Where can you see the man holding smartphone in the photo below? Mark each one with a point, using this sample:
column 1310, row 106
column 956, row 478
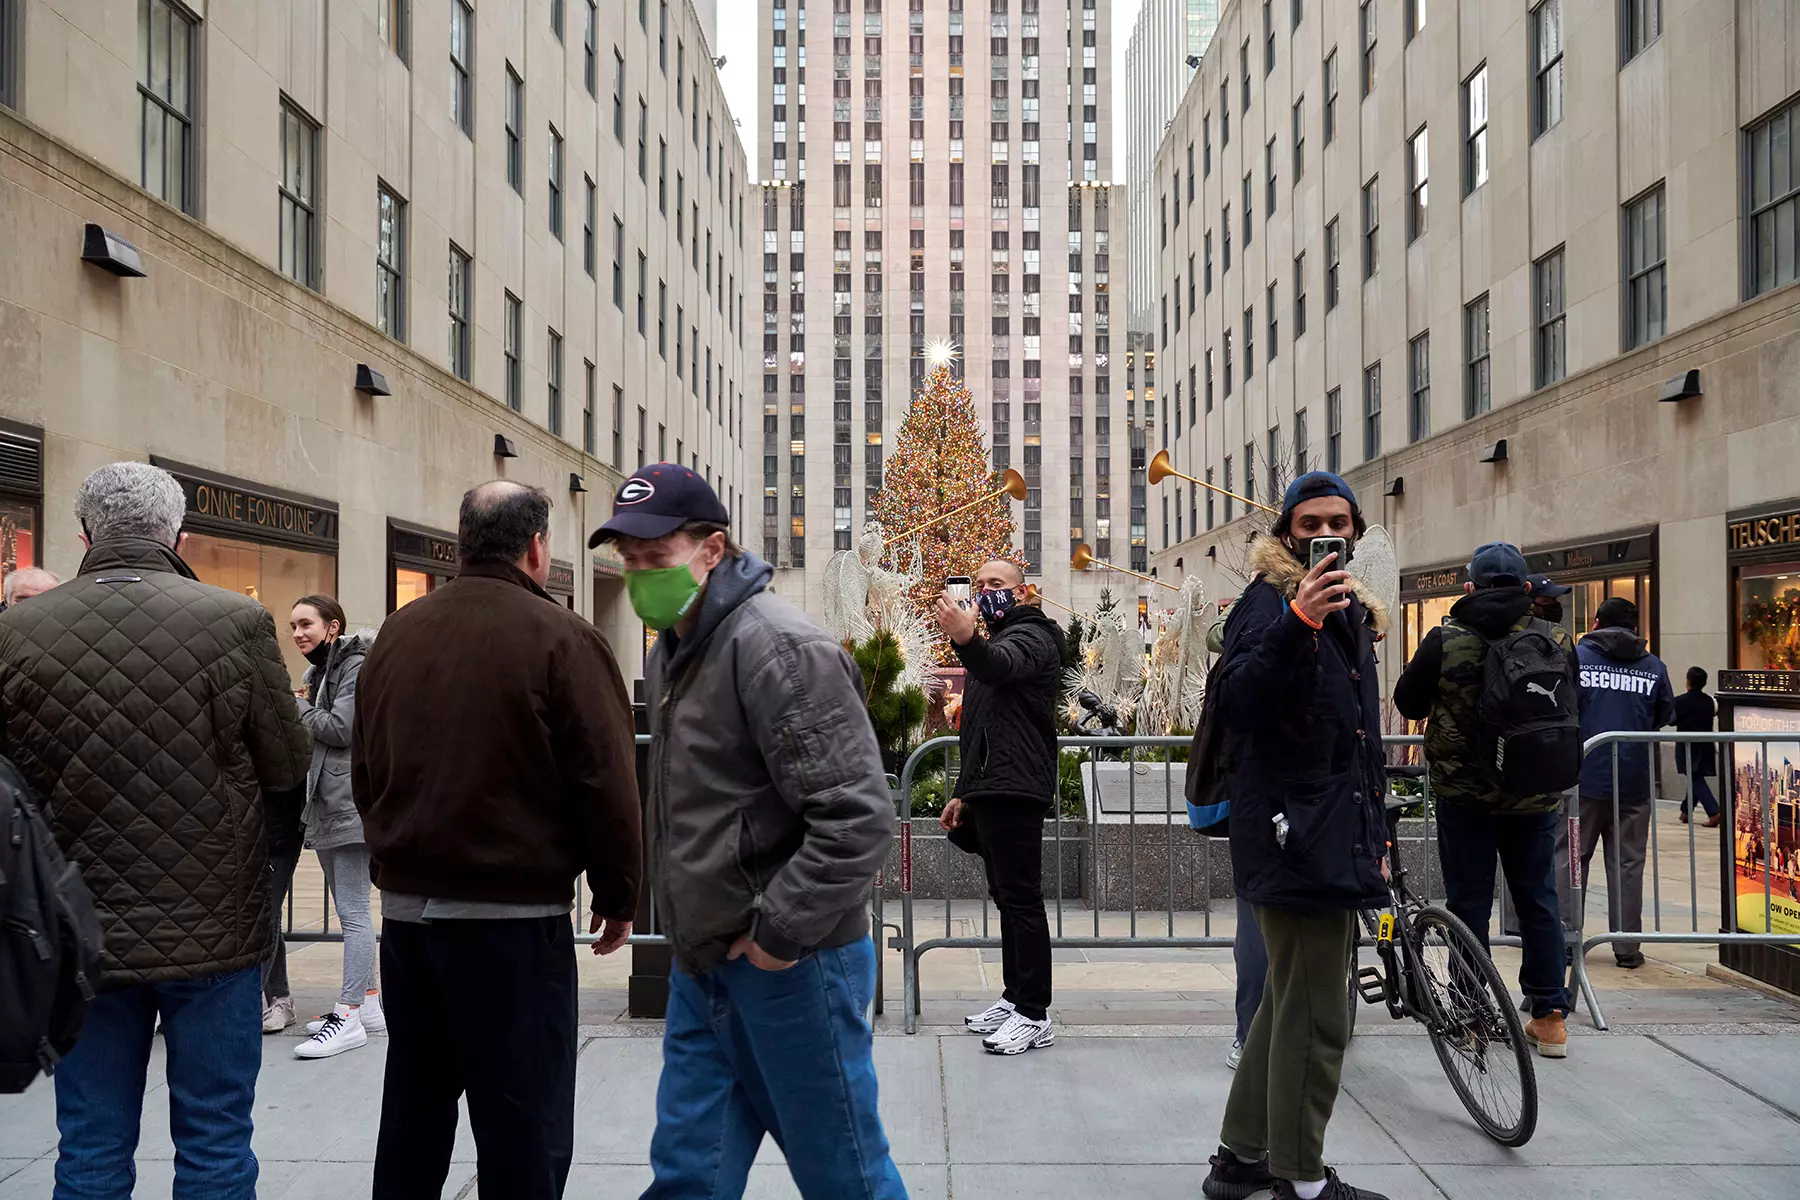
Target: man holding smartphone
column 1007, row 785
column 1304, row 769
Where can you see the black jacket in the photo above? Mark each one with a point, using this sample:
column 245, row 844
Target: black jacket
column 1009, row 708
column 1303, row 741
column 1694, row 712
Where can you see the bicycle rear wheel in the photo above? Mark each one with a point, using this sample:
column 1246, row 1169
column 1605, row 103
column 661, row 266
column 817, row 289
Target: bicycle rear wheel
column 1474, row 1027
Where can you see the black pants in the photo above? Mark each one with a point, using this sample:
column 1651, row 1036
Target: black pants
column 516, row 1064
column 1009, row 836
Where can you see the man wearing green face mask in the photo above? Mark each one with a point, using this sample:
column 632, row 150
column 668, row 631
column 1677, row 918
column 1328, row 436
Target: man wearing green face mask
column 768, row 818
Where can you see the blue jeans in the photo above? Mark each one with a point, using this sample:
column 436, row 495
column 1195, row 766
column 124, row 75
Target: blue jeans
column 1469, row 839
column 212, row 1031
column 787, row 1053
column 1252, row 959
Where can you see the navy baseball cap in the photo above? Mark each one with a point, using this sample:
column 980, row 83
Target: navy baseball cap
column 656, row 501
column 1497, row 564
column 1313, row 485
column 1543, row 585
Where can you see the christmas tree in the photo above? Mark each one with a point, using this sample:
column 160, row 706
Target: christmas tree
column 939, row 463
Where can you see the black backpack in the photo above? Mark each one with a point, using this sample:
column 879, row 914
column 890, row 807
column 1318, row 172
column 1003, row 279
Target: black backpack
column 1208, row 805
column 1530, row 721
column 49, row 940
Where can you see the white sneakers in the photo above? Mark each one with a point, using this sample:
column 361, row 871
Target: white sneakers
column 990, row 1019
column 1235, row 1057
column 278, row 1015
column 372, row 1017
column 1019, row 1034
column 337, row 1033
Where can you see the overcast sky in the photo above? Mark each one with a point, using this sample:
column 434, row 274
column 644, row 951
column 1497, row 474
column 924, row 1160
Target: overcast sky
column 737, row 42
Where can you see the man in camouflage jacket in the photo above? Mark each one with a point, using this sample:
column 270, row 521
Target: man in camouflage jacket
column 1476, row 821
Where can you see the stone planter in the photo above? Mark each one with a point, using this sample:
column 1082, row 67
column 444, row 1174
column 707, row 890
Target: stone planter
column 1157, row 791
column 941, row 870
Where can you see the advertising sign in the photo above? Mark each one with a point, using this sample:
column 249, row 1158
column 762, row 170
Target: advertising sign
column 1765, row 789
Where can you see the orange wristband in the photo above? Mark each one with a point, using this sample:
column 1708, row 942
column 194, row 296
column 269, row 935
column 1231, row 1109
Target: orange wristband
column 1295, row 605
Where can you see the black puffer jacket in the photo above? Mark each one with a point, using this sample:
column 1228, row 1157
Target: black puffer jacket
column 153, row 711
column 1009, row 708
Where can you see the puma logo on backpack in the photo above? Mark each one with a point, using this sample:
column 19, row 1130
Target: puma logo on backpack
column 49, row 940
column 1530, row 727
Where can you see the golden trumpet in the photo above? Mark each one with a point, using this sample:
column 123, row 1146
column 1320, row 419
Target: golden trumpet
column 1035, row 594
column 1161, row 468
column 1013, row 485
column 1083, row 557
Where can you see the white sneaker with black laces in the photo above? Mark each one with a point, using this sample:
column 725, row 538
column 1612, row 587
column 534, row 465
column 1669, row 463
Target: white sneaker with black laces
column 990, row 1019
column 1019, row 1034
column 373, row 1020
column 337, row 1033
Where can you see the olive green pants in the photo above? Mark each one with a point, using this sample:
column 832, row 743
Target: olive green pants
column 1287, row 1082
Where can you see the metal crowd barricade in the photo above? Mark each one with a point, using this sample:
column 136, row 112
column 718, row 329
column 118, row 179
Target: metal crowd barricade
column 1727, row 857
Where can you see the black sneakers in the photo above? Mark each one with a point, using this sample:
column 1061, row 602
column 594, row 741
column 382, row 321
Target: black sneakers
column 1335, row 1189
column 1231, row 1178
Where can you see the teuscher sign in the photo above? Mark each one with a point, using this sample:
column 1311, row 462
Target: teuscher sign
column 1783, row 529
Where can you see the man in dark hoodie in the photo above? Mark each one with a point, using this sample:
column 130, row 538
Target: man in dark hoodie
column 1623, row 687
column 1477, row 821
column 768, row 816
column 1008, row 786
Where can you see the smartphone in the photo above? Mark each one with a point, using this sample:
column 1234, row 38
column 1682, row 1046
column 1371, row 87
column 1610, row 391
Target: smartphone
column 957, row 588
column 1322, row 547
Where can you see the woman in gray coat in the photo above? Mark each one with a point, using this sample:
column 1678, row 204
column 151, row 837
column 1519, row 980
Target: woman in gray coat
column 333, row 826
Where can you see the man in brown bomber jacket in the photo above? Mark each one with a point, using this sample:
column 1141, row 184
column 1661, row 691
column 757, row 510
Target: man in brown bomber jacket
column 492, row 761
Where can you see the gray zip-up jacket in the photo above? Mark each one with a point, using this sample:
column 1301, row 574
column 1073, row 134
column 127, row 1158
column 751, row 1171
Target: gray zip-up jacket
column 330, row 817
column 769, row 814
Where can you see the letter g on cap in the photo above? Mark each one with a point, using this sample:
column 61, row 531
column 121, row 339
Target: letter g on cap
column 635, row 491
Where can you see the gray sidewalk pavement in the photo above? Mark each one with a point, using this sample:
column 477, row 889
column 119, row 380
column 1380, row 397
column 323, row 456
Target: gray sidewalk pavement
column 1126, row 1113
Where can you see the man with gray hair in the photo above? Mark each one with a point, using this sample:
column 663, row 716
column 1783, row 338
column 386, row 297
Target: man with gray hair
column 24, row 583
column 153, row 711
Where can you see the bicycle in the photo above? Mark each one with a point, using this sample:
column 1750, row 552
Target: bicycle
column 1433, row 970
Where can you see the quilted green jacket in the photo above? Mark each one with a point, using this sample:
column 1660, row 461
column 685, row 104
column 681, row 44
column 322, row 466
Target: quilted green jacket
column 152, row 710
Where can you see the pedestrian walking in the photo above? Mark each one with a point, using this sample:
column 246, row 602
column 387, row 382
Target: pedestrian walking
column 492, row 761
column 1694, row 713
column 769, row 817
column 1305, row 774
column 1007, row 785
column 1493, row 629
column 1623, row 687
column 334, row 828
column 152, row 711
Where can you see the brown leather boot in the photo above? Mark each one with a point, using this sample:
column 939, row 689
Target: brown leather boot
column 1712, row 822
column 1550, row 1034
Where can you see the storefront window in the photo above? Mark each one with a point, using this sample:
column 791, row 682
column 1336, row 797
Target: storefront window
column 1580, row 605
column 1422, row 616
column 274, row 575
column 411, row 585
column 1768, row 616
column 18, row 536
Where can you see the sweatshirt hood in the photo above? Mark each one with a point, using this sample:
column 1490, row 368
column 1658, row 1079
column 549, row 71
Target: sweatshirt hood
column 1492, row 611
column 731, row 583
column 1276, row 564
column 1620, row 645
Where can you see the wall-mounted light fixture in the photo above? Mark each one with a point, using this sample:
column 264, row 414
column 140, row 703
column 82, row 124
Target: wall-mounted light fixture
column 1495, row 453
column 1684, row 386
column 110, row 252
column 1396, row 486
column 575, row 483
column 371, row 382
column 503, row 447
column 1193, row 60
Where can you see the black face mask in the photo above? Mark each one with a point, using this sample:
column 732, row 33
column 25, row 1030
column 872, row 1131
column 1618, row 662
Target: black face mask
column 1551, row 611
column 319, row 654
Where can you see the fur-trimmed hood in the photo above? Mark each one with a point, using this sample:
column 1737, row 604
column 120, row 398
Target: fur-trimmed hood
column 1276, row 564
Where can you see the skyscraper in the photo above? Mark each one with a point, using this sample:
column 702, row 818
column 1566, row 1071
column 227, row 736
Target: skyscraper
column 958, row 187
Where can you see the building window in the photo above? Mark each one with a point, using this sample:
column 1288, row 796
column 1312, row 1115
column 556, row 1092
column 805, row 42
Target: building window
column 391, row 25
column 1643, row 25
column 1300, row 443
column 589, row 443
column 1774, row 200
column 1224, row 112
column 1331, row 264
column 1206, row 145
column 1190, row 174
column 1225, row 239
column 1269, row 178
column 1250, row 343
column 1334, row 431
column 1418, row 414
column 1244, row 73
column 166, row 96
column 553, row 386
column 1371, row 412
column 1546, row 67
column 618, row 268
column 1249, row 211
column 1190, row 286
column 590, row 56
column 556, row 18
column 1331, row 95
column 299, row 168
column 462, row 98
column 556, row 184
column 1646, row 276
column 1269, row 311
column 643, row 141
column 618, row 429
column 662, row 37
column 1418, row 171
column 1550, row 361
column 515, row 130
column 662, row 319
column 619, row 99
column 1209, row 497
column 589, row 215
column 1478, row 384
column 390, row 263
column 1475, row 125
column 1206, row 259
column 1299, row 136
column 1300, row 294
column 642, row 286
column 1272, row 465
column 513, row 333
column 461, row 289
column 1227, row 364
column 1368, row 47
column 1230, row 502
column 1415, row 18
column 1209, row 379
column 1371, row 227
